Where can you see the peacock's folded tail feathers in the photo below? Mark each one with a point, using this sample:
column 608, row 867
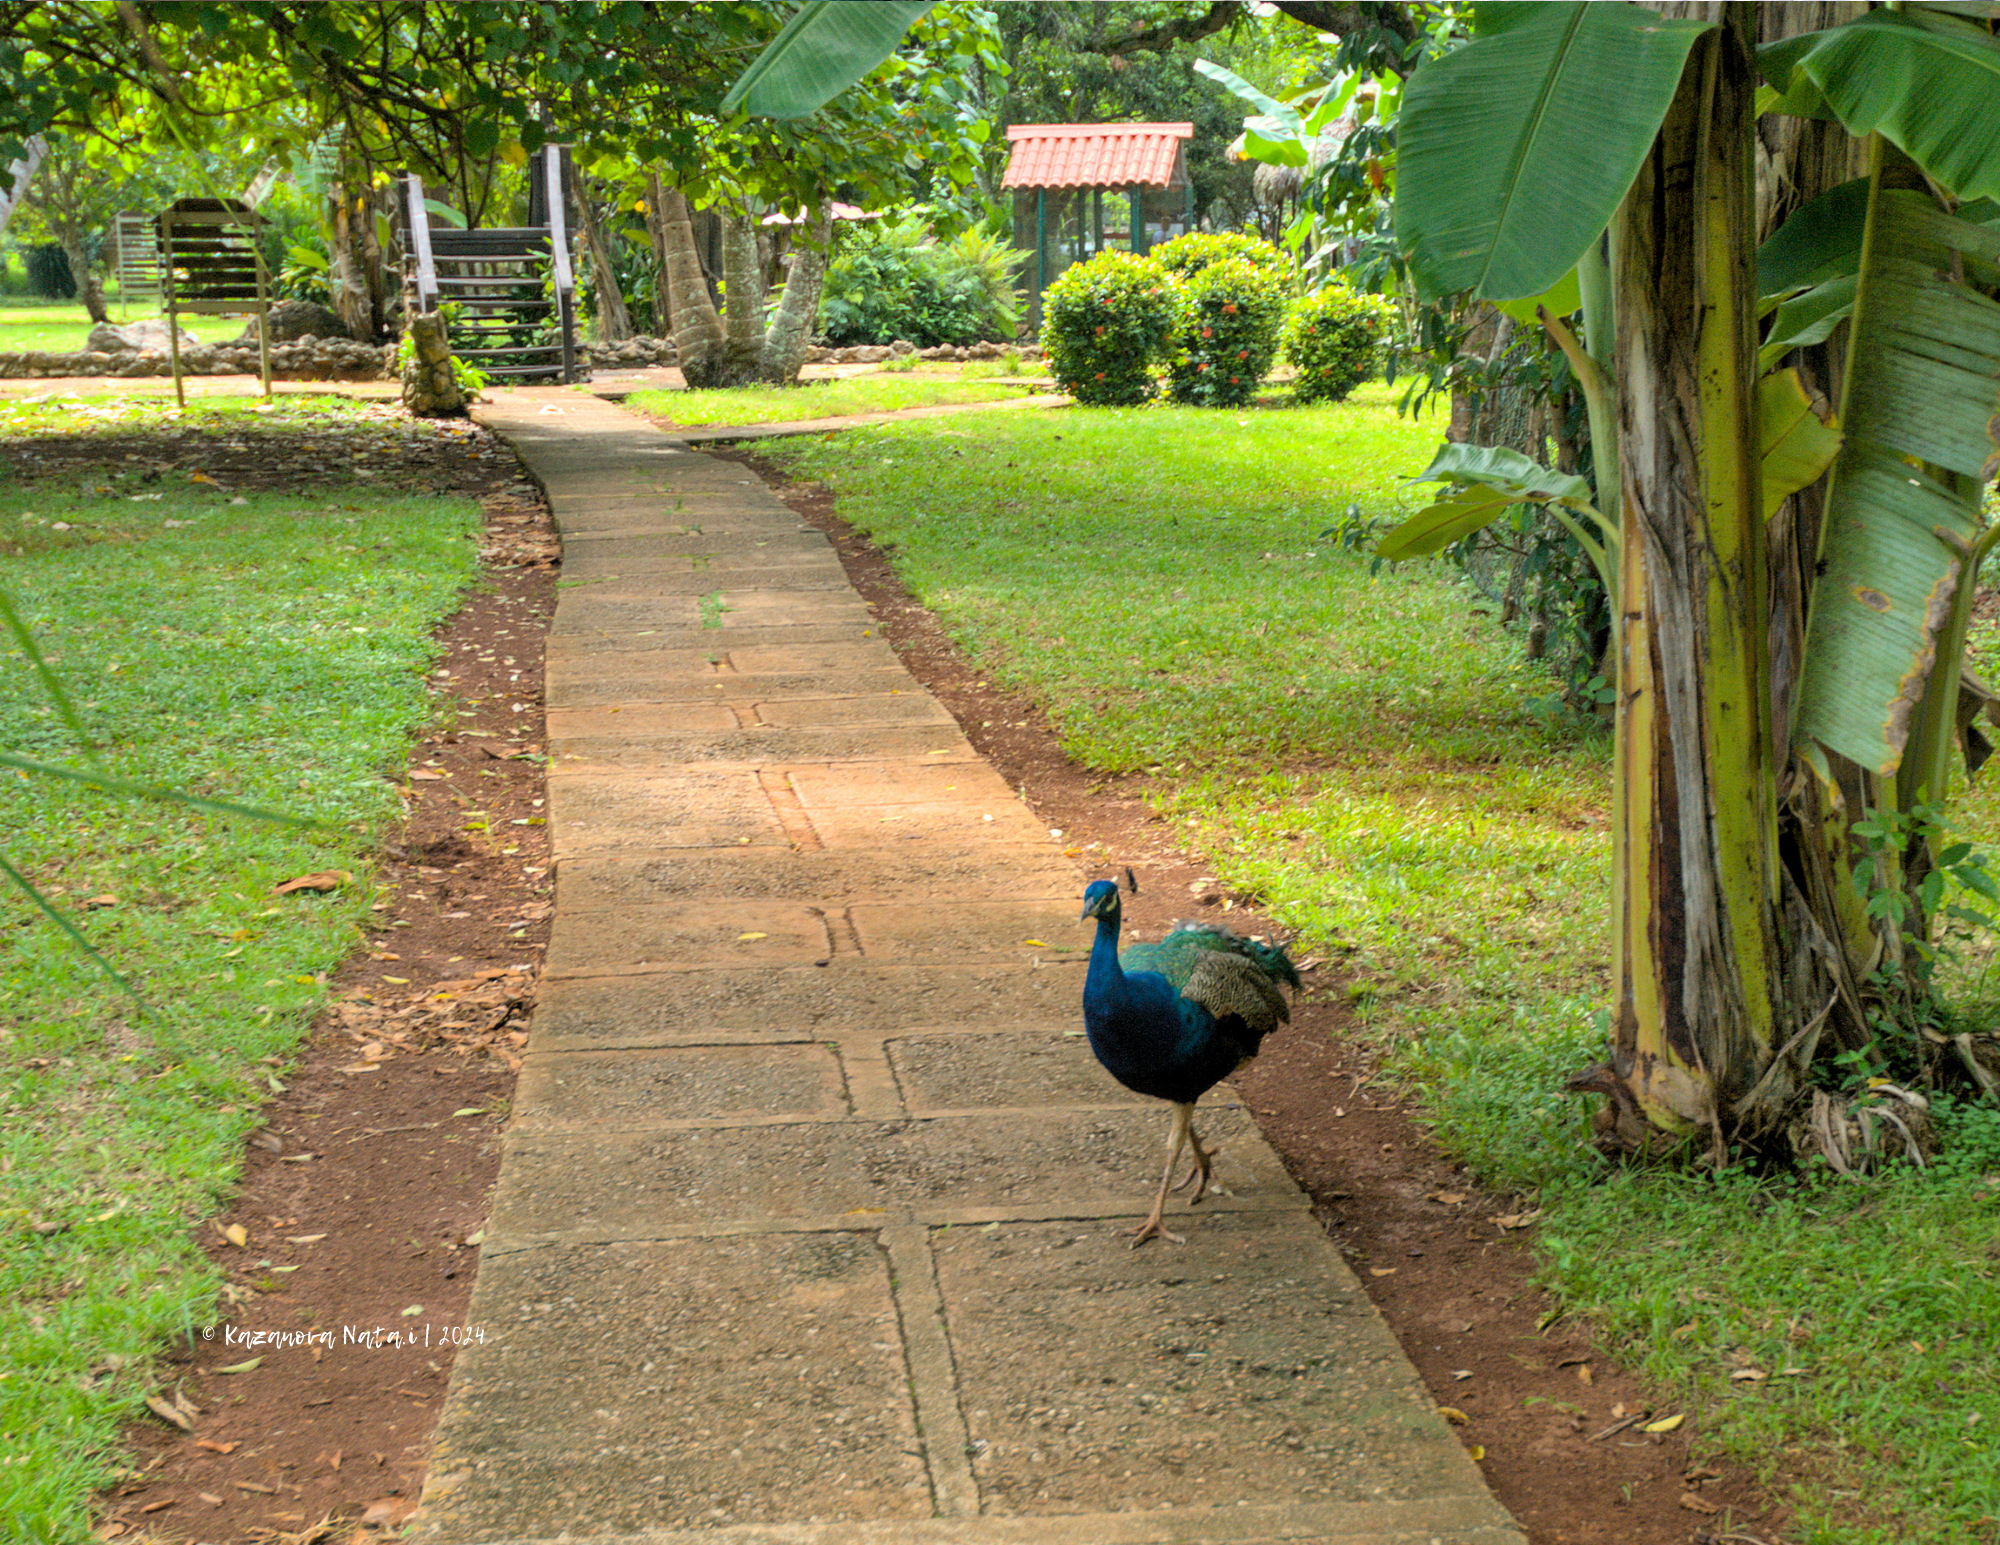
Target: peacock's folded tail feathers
column 1188, row 944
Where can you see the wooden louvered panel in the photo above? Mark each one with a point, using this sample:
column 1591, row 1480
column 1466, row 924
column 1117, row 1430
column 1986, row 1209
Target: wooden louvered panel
column 212, row 260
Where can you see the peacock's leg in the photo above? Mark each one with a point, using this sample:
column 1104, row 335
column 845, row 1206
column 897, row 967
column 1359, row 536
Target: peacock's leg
column 1153, row 1228
column 1200, row 1173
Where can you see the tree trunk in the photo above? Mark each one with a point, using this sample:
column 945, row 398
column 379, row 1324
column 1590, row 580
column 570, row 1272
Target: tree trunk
column 347, row 279
column 791, row 330
column 743, row 299
column 21, row 173
column 656, row 231
column 1697, row 1010
column 698, row 338
column 1741, row 949
column 613, row 320
column 89, row 283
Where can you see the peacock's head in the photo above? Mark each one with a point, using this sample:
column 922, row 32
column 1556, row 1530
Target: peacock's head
column 1100, row 899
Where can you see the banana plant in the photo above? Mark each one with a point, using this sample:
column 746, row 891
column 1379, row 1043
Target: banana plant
column 826, row 46
column 1752, row 733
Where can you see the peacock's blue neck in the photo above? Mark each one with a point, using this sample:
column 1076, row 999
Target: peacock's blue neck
column 1104, row 982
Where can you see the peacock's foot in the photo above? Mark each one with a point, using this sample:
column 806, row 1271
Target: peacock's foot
column 1153, row 1228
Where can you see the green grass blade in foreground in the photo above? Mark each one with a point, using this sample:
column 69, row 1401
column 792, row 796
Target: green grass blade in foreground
column 41, row 903
column 106, row 783
column 263, row 651
column 51, row 683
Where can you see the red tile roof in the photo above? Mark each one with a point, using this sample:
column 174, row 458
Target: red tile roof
column 1094, row 155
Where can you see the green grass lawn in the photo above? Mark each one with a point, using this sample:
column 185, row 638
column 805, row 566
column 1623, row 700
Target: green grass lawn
column 57, row 326
column 1371, row 753
column 266, row 649
column 821, row 399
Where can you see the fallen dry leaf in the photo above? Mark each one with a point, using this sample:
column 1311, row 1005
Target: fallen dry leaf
column 1698, row 1504
column 1453, row 1415
column 237, row 1235
column 100, row 901
column 321, row 880
column 387, row 1512
column 218, row 1448
column 166, row 1410
column 1664, row 1424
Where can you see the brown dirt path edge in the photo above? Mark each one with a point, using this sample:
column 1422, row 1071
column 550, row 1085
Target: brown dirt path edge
column 1457, row 1288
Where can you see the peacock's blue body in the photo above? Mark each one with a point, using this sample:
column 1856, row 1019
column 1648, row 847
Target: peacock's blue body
column 1174, row 1019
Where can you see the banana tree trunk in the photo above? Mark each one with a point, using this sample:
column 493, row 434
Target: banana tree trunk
column 1699, row 1008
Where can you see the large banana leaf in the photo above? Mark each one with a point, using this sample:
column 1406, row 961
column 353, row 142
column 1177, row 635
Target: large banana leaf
column 1514, row 151
column 1279, row 133
column 1925, row 389
column 826, row 47
column 1930, row 85
column 1820, row 241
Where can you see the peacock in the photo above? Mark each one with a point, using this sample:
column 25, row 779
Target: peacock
column 1174, row 1019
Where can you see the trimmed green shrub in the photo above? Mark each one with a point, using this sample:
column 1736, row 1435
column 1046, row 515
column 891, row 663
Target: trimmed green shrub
column 1231, row 312
column 1195, row 251
column 1331, row 336
column 1104, row 323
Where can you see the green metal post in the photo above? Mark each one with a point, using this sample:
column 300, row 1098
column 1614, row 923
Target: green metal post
column 1041, row 251
column 1141, row 242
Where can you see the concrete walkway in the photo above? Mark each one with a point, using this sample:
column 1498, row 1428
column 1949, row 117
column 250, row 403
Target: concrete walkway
column 808, row 1225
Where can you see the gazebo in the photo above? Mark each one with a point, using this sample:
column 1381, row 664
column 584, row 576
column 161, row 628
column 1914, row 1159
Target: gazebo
column 1060, row 163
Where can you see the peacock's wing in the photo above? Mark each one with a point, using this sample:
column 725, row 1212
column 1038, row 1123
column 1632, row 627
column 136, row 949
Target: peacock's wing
column 1246, row 1004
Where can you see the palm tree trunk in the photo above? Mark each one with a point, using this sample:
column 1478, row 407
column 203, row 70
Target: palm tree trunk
column 742, row 297
column 791, row 330
column 698, row 337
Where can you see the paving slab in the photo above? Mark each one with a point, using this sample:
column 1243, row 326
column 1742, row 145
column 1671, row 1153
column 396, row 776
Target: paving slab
column 580, row 1013
column 648, row 641
column 694, row 1180
column 646, row 736
column 827, row 879
column 810, row 1221
column 578, row 682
